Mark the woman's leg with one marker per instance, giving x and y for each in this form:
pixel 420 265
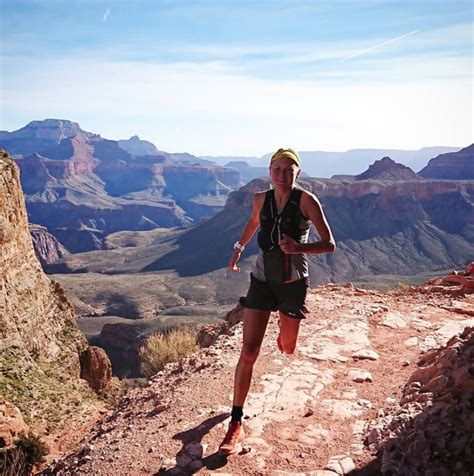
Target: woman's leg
pixel 289 329
pixel 255 324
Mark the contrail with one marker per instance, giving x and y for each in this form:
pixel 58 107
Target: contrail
pixel 381 44
pixel 106 15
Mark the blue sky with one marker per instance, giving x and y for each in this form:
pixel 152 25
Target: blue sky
pixel 243 77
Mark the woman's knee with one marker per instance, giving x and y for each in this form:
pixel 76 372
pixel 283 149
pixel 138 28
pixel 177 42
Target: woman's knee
pixel 249 352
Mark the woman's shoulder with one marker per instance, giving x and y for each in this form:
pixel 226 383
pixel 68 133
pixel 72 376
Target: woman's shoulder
pixel 307 196
pixel 259 198
pixel 262 194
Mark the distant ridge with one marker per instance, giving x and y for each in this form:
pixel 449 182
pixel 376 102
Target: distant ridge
pixel 325 164
pixel 388 169
pixel 455 165
pixel 37 135
pixel 136 146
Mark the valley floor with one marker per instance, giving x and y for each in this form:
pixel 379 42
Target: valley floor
pixel 305 412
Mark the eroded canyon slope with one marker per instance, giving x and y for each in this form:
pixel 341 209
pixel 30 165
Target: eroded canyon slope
pixel 82 186
pixel 47 368
pixel 374 375
pixel 386 221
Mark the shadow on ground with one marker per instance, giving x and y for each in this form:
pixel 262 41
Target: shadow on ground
pixel 189 459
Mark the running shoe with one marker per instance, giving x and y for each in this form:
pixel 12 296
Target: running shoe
pixel 232 442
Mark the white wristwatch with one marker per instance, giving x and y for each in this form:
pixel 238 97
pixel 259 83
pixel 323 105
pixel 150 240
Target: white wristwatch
pixel 238 246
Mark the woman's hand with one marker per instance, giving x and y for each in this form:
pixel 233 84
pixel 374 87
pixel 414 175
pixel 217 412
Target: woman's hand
pixel 289 246
pixel 233 261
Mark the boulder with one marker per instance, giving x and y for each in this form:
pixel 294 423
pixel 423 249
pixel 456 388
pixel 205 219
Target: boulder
pixel 12 424
pixel 96 368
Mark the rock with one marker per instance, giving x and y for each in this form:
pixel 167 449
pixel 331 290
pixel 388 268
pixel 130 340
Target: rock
pixel 394 320
pixel 453 165
pixel 420 323
pixel 374 436
pixel 340 464
pixel 347 464
pixel 365 354
pixel 388 169
pixel 208 334
pixel 442 335
pixel 40 342
pixel 431 430
pixel 358 375
pixel 235 316
pixel 11 423
pixel 411 342
pixel 96 368
pixel 47 247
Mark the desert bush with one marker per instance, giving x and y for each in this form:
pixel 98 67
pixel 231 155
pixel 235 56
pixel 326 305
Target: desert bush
pixel 29 451
pixel 33 448
pixel 161 349
pixel 403 288
pixel 12 462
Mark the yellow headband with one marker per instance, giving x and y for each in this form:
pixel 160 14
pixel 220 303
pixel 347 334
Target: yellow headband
pixel 288 153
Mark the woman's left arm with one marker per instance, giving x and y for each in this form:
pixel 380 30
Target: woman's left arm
pixel 311 208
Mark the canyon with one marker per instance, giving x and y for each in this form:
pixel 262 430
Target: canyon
pixel 82 187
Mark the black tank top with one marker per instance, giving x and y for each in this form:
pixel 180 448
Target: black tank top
pixel 274 225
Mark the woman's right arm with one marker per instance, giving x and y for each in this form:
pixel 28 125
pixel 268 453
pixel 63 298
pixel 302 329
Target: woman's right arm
pixel 249 230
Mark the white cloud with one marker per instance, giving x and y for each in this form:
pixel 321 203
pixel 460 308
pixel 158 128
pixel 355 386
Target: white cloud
pixel 106 15
pixel 211 109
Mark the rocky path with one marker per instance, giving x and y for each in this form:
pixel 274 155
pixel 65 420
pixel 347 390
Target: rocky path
pixel 306 413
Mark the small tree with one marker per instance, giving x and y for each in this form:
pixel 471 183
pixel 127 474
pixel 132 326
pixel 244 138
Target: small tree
pixel 161 349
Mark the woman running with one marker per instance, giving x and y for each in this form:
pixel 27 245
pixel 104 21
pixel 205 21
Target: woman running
pixel 279 280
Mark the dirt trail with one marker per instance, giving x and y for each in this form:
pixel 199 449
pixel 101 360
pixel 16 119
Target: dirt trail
pixel 306 413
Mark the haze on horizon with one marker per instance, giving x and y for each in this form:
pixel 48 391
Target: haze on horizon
pixel 243 78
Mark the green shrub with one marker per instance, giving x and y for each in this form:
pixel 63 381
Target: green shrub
pixel 33 448
pixel 160 349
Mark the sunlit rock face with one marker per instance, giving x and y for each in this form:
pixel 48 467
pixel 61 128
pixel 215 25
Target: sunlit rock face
pixel 47 248
pixel 35 312
pixel 40 342
pixel 456 165
pixel 76 180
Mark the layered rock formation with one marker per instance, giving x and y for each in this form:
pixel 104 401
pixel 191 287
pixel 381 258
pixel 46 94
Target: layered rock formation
pixel 247 172
pixel 136 146
pixel 452 166
pixel 388 169
pixel 381 226
pixel 83 187
pixel 47 248
pixel 40 343
pixel 37 135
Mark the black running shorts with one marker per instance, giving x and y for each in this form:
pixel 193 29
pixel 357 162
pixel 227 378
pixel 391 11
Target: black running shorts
pixel 289 298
